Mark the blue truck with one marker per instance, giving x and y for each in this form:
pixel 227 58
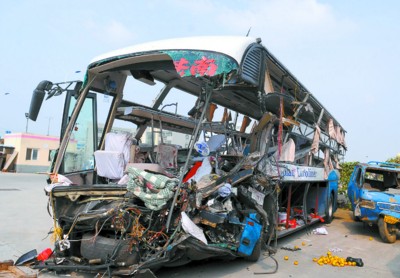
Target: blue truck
pixel 374 193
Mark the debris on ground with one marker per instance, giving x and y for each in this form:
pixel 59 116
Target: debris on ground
pixel 335 250
pixel 288 248
pixel 9 270
pixel 320 231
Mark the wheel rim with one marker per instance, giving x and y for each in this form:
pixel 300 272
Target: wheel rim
pixel 387 231
pixel 330 207
pixel 391 228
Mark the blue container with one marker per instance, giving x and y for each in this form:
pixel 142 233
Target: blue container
pixel 250 235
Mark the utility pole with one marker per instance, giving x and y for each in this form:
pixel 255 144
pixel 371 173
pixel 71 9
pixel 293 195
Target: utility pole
pixel 48 126
pixel 27 120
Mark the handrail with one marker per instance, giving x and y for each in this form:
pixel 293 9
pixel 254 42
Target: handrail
pixel 384 164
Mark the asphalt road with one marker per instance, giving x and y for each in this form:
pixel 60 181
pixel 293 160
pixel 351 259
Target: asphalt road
pixel 23 214
pixel 25 224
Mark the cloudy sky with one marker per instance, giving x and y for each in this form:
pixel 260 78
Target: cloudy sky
pixel 345 52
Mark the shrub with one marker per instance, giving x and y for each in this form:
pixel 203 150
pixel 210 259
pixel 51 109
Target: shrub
pixel 345 173
pixel 395 159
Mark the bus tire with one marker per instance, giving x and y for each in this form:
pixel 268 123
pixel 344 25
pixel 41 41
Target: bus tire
pixel 387 231
pixel 329 210
pixel 255 255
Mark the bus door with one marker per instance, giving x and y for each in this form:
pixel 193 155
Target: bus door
pixel 78 160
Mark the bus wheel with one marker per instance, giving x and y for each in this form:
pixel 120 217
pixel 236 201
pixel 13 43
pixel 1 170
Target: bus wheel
pixel 329 210
pixel 387 231
pixel 255 255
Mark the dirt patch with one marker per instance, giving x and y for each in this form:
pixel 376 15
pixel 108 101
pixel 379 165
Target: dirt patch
pixel 344 215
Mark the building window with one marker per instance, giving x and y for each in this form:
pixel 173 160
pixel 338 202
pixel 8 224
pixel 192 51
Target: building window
pixel 31 154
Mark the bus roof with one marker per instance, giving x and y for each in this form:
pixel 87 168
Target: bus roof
pixel 233 46
pixel 244 100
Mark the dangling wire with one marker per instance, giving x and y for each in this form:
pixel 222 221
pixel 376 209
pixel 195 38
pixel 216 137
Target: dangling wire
pixel 57 233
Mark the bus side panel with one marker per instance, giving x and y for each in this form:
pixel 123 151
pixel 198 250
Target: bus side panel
pixel 317 198
pixel 333 184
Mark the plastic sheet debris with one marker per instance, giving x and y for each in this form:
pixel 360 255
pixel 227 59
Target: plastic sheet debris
pixel 215 142
pixel 357 261
pixel 49 187
pixel 225 190
pixel 320 231
pixel 257 196
pixel 228 205
pixel 191 228
pixel 202 148
pixel 57 180
pixel 335 250
pixel 204 170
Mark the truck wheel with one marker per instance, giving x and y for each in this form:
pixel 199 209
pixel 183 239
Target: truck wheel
pixel 387 231
pixel 356 218
pixel 256 252
pixel 329 210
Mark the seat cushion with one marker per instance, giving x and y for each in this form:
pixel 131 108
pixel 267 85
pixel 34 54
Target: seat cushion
pixel 119 142
pixel 110 164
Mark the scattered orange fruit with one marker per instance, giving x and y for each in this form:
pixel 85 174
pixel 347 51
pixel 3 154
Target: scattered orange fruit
pixel 370 238
pixel 335 261
pixel 295 262
pixel 303 243
pixel 286 258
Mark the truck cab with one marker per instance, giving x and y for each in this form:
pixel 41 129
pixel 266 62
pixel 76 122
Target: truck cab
pixel 374 193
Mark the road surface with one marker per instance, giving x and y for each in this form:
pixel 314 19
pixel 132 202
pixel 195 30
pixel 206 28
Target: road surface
pixel 25 224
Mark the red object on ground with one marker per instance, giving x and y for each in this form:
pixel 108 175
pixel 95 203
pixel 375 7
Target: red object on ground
pixel 313 215
pixel 44 255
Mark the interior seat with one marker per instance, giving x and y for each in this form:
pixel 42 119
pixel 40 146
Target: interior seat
pixel 111 162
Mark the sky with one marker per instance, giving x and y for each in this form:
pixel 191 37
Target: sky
pixel 346 53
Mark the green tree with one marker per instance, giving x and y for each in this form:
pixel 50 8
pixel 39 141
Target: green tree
pixel 395 159
pixel 345 173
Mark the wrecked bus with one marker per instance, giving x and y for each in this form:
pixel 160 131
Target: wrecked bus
pixel 231 153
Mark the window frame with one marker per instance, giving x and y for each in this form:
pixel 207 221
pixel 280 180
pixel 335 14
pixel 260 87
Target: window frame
pixel 33 154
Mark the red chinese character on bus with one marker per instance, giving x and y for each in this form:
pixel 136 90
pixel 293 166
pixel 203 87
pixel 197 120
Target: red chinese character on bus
pixel 181 66
pixel 204 66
